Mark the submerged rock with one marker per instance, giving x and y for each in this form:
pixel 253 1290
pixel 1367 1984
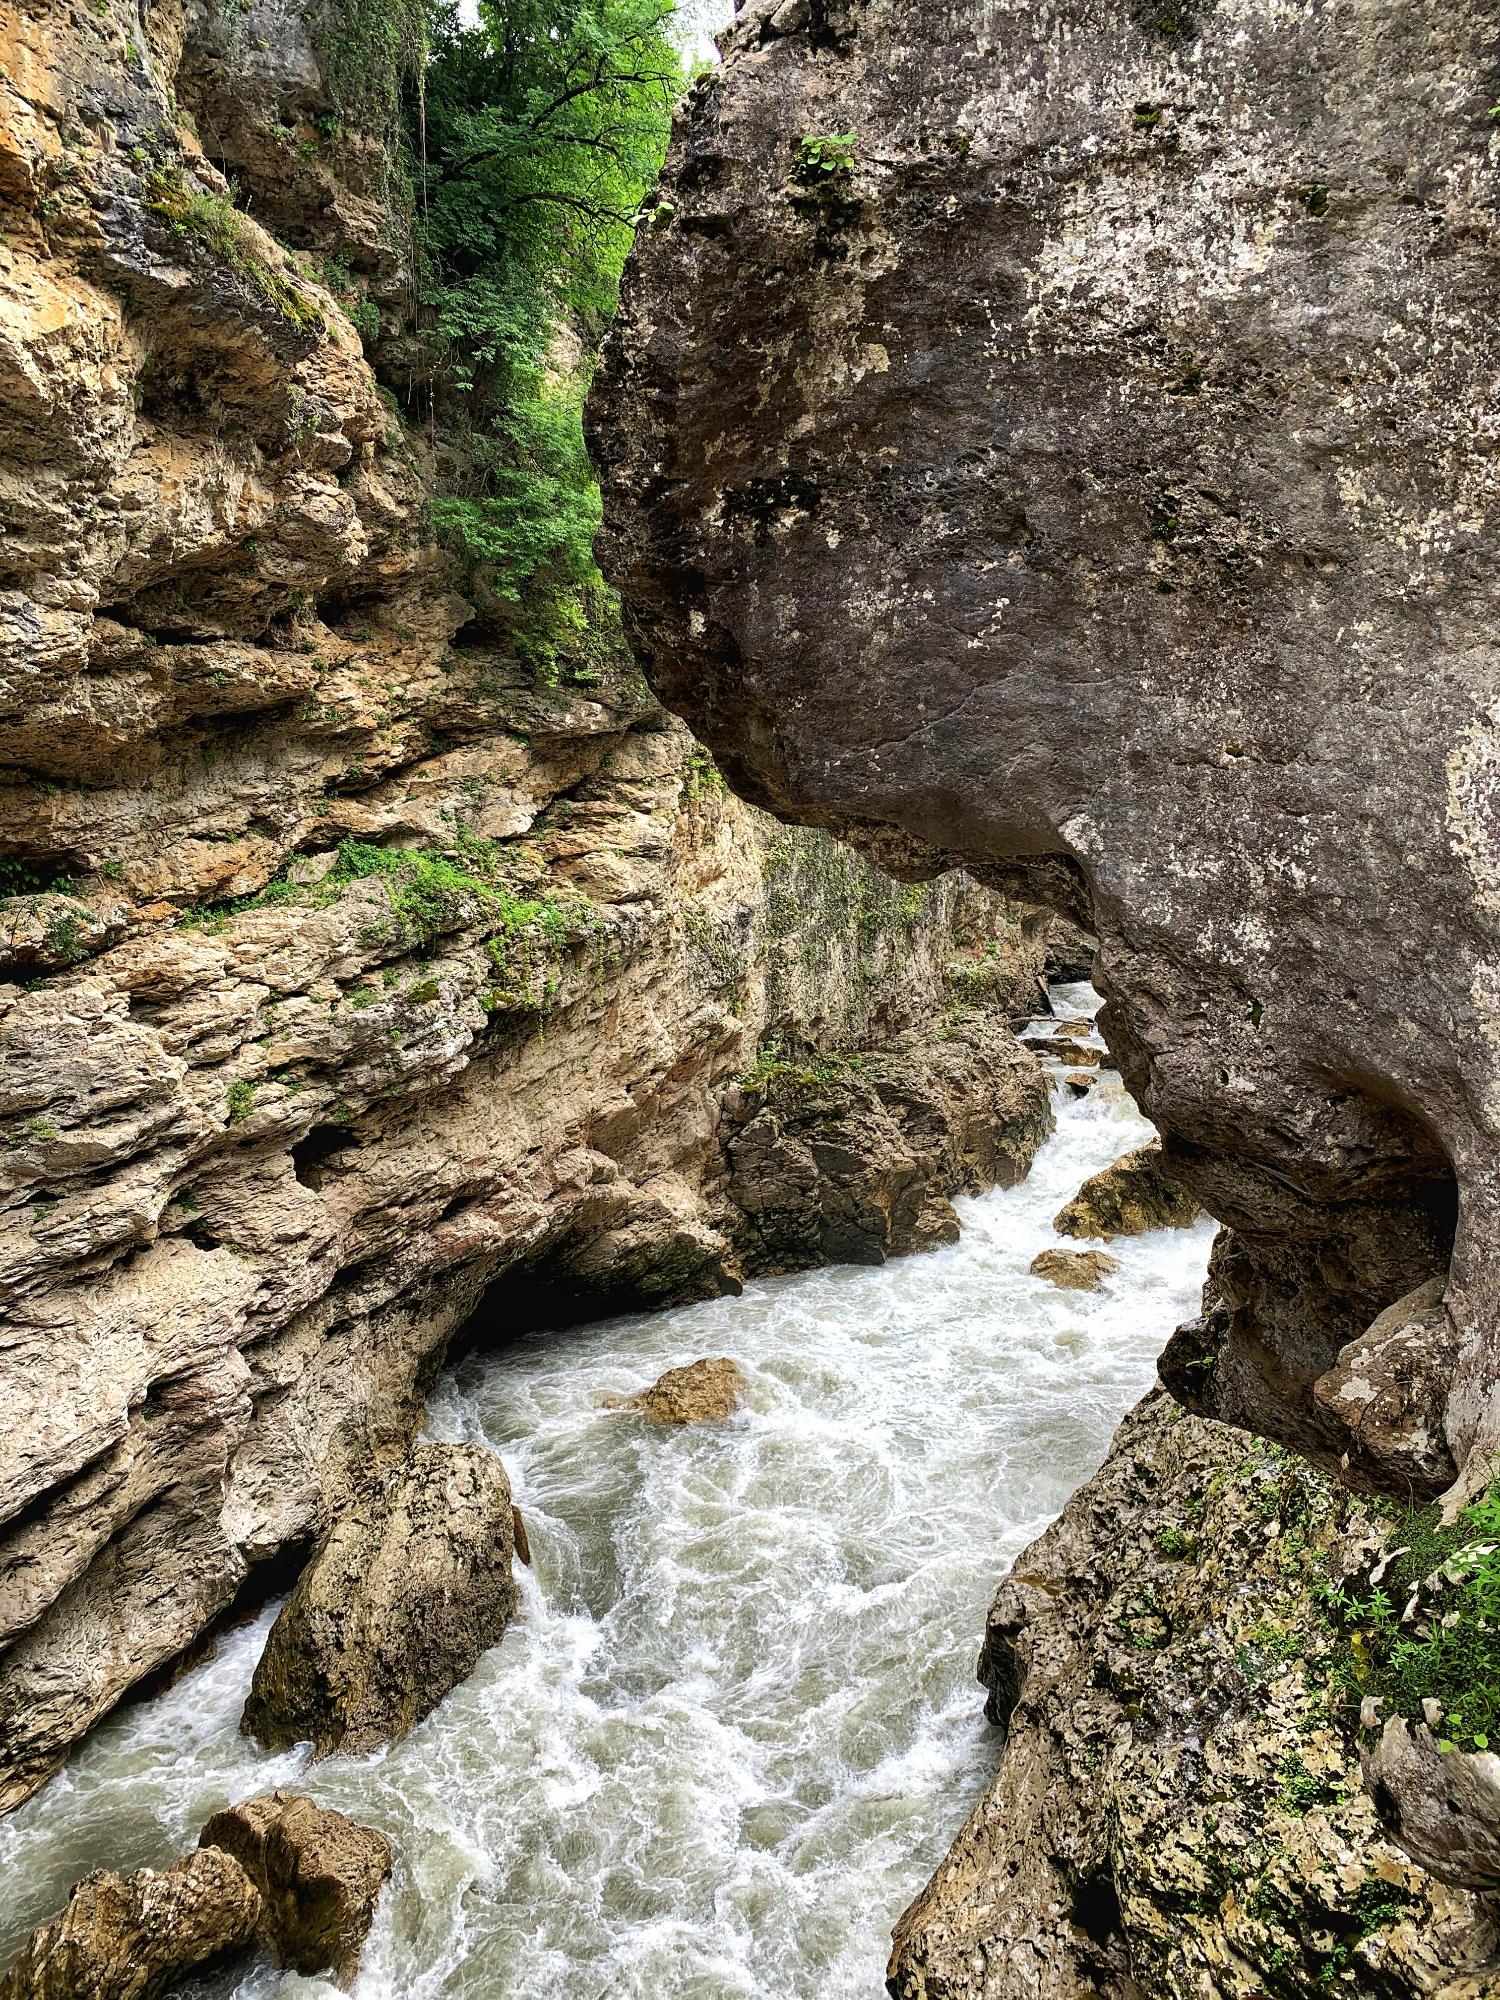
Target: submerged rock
pixel 411 1586
pixel 319 1876
pixel 1074 1270
pixel 700 1392
pixel 132 1937
pixel 1063 1049
pixel 1134 1195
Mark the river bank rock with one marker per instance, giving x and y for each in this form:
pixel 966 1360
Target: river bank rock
pixel 699 1392
pixel 1177 1809
pixel 1046 533
pixel 413 1583
pixel 1074 1270
pixel 854 1158
pixel 318 1873
pixel 1131 1197
pixel 1441 1809
pixel 132 1937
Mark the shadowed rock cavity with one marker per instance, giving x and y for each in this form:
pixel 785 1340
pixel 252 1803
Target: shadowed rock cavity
pixel 1074 484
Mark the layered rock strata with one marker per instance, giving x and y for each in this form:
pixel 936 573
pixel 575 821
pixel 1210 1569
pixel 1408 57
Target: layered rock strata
pixel 356 980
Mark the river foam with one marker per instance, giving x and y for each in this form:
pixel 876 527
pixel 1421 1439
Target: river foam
pixel 735 1725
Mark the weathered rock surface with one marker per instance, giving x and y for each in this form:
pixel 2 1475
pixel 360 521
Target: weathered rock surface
pixel 1074 1270
pixel 278 1114
pixel 1131 1196
pixel 1011 494
pixel 1177 1810
pixel 131 1937
pixel 319 1876
pixel 700 1392
pixel 1388 1386
pixel 411 1586
pixel 852 1159
pixel 1443 1809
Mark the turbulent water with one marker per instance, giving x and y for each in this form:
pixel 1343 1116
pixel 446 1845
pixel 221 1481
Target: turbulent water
pixel 735 1724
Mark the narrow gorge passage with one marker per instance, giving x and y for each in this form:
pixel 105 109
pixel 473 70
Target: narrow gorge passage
pixel 735 1725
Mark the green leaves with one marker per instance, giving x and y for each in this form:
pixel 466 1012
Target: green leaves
pixel 825 153
pixel 543 127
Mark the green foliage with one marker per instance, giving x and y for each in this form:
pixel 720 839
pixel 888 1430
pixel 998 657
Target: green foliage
pixel 239 1101
pixel 825 153
pixel 538 132
pixel 430 894
pixel 777 1069
pixel 371 49
pixel 1428 1626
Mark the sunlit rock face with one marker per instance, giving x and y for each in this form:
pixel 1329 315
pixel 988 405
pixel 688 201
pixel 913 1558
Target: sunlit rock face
pixel 274 1120
pixel 1060 436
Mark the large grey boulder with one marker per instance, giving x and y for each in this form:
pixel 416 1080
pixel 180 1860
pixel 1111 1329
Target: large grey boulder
pixel 412 1584
pixel 1054 437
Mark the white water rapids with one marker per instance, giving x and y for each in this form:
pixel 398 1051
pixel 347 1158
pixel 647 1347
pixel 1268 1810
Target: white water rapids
pixel 735 1724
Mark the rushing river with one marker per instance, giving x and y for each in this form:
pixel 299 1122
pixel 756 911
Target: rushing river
pixel 735 1724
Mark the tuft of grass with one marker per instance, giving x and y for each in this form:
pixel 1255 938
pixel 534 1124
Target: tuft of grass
pixel 239 1101
pixel 1426 1626
pixel 212 221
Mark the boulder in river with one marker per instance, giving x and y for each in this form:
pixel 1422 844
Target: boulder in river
pixel 413 1583
pixel 1063 1048
pixel 699 1393
pixel 1134 1195
pixel 1074 1270
pixel 319 1876
pixel 131 1937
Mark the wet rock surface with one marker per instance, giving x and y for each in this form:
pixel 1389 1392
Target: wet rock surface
pixel 1047 531
pixel 1074 1270
pixel 319 1876
pixel 134 1937
pixel 413 1583
pixel 699 1392
pixel 1133 1196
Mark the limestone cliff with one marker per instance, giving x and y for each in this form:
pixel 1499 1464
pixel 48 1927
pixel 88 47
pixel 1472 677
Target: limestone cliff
pixel 1029 438
pixel 361 987
pixel 1178 1811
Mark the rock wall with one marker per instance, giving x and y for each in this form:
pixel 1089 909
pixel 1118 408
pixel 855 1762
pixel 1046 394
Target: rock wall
pixel 1177 1811
pixel 360 988
pixel 1056 437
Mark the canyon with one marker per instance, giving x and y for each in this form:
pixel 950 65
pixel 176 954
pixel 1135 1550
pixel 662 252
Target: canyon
pixel 1048 469
pixel 354 970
